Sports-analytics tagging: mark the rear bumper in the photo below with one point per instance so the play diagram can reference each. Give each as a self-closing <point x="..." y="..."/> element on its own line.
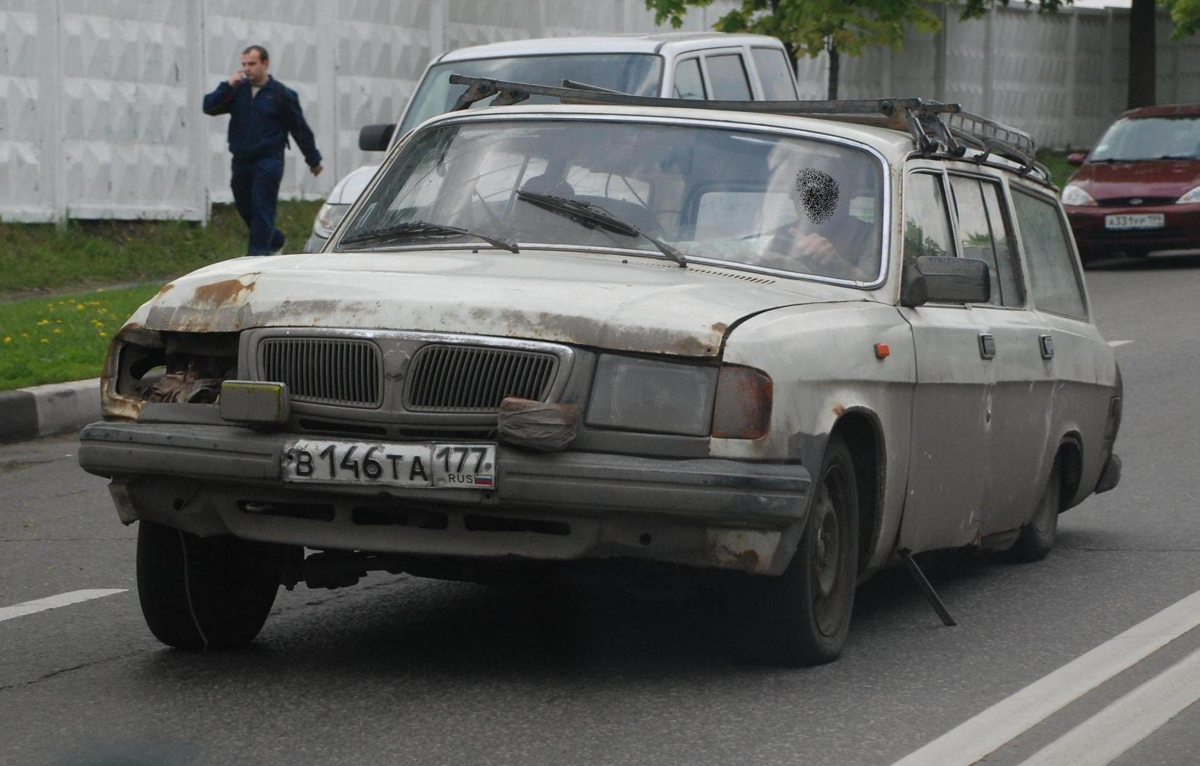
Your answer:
<point x="211" y="479"/>
<point x="1110" y="477"/>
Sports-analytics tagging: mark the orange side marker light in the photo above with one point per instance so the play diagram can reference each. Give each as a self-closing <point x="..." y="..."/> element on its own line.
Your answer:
<point x="882" y="351"/>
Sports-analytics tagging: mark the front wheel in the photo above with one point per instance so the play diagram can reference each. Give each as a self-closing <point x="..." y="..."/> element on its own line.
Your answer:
<point x="802" y="617"/>
<point x="205" y="593"/>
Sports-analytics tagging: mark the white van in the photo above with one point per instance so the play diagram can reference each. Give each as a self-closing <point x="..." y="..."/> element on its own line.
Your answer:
<point x="688" y="65"/>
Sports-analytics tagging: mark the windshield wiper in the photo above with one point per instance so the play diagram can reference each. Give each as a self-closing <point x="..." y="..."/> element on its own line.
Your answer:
<point x="593" y="216"/>
<point x="413" y="229"/>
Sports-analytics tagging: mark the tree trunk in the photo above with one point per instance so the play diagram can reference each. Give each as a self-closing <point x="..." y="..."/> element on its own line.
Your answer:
<point x="831" y="91"/>
<point x="1143" y="52"/>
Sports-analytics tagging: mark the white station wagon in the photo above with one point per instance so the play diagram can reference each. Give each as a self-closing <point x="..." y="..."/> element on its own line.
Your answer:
<point x="793" y="341"/>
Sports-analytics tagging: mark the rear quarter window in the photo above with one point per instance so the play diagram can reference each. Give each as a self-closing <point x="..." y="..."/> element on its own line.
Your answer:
<point x="1053" y="279"/>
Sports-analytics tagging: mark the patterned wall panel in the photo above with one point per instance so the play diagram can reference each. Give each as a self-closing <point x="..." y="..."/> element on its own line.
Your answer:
<point x="25" y="182"/>
<point x="123" y="109"/>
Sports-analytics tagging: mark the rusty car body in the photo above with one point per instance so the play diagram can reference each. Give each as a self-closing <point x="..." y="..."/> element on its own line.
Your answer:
<point x="595" y="331"/>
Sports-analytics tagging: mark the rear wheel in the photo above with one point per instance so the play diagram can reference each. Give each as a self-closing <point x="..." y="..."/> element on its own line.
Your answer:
<point x="205" y="593"/>
<point x="1038" y="536"/>
<point x="802" y="617"/>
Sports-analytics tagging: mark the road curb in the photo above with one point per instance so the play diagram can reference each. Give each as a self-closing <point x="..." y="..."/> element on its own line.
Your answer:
<point x="30" y="413"/>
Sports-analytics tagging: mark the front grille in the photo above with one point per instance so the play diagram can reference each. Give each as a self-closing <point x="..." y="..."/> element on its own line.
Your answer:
<point x="339" y="371"/>
<point x="1127" y="201"/>
<point x="454" y="378"/>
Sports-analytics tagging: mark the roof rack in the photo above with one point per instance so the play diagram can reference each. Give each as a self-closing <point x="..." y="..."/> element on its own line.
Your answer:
<point x="936" y="128"/>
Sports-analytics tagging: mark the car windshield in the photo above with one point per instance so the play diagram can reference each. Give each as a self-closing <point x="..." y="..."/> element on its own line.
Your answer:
<point x="635" y="73"/>
<point x="758" y="199"/>
<point x="1149" y="138"/>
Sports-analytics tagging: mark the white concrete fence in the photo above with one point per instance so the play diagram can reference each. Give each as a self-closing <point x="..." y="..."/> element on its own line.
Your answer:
<point x="100" y="99"/>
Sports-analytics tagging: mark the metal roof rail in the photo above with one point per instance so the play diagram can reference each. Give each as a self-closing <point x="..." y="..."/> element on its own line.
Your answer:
<point x="935" y="127"/>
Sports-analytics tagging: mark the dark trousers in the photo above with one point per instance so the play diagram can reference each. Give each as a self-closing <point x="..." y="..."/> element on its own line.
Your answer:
<point x="255" y="186"/>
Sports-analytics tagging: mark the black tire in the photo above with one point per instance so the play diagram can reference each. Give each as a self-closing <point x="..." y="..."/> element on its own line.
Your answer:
<point x="802" y="617"/>
<point x="1037" y="538"/>
<point x="205" y="593"/>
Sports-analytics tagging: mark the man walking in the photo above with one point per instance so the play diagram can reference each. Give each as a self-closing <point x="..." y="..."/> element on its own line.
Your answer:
<point x="262" y="114"/>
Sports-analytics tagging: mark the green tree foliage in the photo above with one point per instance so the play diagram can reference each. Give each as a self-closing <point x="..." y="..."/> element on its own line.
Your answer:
<point x="848" y="26"/>
<point x="811" y="26"/>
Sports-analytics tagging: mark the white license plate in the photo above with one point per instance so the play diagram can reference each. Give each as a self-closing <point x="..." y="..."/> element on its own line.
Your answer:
<point x="457" y="466"/>
<point x="1134" y="221"/>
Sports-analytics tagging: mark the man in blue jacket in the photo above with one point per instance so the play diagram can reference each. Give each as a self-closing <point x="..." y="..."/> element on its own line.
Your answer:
<point x="262" y="114"/>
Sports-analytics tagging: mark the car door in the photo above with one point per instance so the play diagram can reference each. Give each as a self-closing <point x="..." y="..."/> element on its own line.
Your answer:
<point x="1018" y="398"/>
<point x="726" y="75"/>
<point x="948" y="454"/>
<point x="688" y="80"/>
<point x="1080" y="365"/>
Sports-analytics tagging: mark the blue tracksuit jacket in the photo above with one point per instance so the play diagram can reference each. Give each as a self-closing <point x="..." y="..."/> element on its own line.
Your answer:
<point x="260" y="124"/>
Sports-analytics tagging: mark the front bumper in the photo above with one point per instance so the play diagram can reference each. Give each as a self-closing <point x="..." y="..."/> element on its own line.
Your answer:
<point x="1180" y="230"/>
<point x="216" y="479"/>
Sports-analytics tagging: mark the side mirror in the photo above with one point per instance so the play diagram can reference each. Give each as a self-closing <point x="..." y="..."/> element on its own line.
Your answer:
<point x="1076" y="158"/>
<point x="941" y="279"/>
<point x="376" y="138"/>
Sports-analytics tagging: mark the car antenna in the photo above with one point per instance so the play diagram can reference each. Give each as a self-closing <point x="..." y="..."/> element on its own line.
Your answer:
<point x="923" y="583"/>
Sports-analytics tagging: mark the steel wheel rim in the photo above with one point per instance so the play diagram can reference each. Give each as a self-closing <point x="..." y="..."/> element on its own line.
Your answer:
<point x="828" y="554"/>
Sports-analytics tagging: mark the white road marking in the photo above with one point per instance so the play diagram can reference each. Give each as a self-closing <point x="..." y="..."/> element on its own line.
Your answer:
<point x="53" y="602"/>
<point x="1011" y="717"/>
<point x="1116" y="343"/>
<point x="1105" y="736"/>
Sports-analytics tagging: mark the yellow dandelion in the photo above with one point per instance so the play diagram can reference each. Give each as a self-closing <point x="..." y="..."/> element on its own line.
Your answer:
<point x="8" y="339"/>
<point x="103" y="335"/>
<point x="43" y="322"/>
<point x="99" y="289"/>
<point x="57" y="331"/>
<point x="58" y="321"/>
<point x="79" y="307"/>
<point x="50" y="307"/>
<point x="24" y="335"/>
<point x="45" y="340"/>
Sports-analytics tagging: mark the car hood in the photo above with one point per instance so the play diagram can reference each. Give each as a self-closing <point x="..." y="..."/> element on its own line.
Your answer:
<point x="351" y="185"/>
<point x="622" y="303"/>
<point x="1166" y="179"/>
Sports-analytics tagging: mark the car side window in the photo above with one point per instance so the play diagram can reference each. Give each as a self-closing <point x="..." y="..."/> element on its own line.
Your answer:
<point x="774" y="72"/>
<point x="926" y="224"/>
<point x="982" y="236"/>
<point x="727" y="75"/>
<point x="1052" y="276"/>
<point x="688" y="82"/>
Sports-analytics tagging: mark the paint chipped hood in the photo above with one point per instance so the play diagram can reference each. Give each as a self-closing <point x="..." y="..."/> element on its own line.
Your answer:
<point x="628" y="303"/>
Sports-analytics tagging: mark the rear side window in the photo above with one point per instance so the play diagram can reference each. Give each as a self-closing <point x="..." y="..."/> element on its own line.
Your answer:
<point x="775" y="73"/>
<point x="981" y="236"/>
<point x="688" y="83"/>
<point x="926" y="225"/>
<point x="1052" y="277"/>
<point x="727" y="75"/>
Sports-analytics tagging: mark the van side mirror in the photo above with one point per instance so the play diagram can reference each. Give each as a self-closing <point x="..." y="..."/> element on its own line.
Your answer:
<point x="375" y="138"/>
<point x="1076" y="158"/>
<point x="942" y="279"/>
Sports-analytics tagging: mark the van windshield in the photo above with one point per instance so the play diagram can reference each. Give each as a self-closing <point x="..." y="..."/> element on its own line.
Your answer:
<point x="638" y="74"/>
<point x="752" y="198"/>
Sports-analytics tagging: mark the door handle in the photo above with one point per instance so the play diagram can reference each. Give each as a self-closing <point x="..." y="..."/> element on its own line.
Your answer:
<point x="1046" y="343"/>
<point x="987" y="345"/>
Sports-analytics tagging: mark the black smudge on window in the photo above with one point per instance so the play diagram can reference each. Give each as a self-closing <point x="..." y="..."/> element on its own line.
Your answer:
<point x="818" y="194"/>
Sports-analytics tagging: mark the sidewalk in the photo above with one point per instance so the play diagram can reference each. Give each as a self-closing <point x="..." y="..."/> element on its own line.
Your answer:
<point x="30" y="413"/>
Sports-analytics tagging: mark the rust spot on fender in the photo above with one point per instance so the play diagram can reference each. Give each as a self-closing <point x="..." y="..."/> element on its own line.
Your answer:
<point x="168" y="287"/>
<point x="227" y="290"/>
<point x="720" y="328"/>
<point x="839" y="409"/>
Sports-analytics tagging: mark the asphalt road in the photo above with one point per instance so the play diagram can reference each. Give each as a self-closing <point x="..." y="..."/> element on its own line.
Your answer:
<point x="406" y="670"/>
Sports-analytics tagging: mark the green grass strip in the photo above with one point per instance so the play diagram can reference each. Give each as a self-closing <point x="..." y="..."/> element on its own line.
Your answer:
<point x="93" y="253"/>
<point x="62" y="337"/>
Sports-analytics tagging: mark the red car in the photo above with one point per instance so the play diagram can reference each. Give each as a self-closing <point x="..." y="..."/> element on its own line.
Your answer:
<point x="1138" y="190"/>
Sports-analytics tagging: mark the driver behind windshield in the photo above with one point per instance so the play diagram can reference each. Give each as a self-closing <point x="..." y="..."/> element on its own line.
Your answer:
<point x="830" y="200"/>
